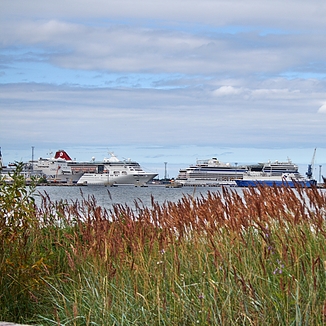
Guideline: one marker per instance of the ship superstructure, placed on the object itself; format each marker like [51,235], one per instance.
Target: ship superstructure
[275,168]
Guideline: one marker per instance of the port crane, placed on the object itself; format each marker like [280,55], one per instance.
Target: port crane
[309,173]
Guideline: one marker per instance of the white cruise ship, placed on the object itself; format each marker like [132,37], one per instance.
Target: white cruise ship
[210,172]
[111,171]
[213,172]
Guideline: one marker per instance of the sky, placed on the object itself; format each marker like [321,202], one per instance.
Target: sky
[164,81]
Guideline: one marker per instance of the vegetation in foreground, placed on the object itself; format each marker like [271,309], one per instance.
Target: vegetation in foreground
[221,259]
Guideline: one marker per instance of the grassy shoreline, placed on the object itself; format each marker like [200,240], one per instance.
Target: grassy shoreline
[220,259]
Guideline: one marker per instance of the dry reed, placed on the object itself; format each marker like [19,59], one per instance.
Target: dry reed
[228,258]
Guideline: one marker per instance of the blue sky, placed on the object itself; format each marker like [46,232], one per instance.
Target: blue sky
[164,81]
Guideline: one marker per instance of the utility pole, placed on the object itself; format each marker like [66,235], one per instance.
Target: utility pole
[32,158]
[0,159]
[165,172]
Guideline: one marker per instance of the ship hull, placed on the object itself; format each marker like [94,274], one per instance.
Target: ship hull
[110,180]
[277,183]
[64,178]
[95,179]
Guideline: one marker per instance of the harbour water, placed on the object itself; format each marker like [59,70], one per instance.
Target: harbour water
[108,196]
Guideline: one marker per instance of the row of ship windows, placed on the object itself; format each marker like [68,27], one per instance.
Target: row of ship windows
[93,170]
[116,172]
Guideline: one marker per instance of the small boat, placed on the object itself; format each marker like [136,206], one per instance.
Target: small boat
[173,184]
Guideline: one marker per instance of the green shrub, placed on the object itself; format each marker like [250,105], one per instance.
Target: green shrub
[22,266]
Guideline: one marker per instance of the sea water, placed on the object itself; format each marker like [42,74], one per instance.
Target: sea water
[106,197]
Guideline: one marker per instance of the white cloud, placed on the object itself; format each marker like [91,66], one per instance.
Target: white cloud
[183,116]
[289,14]
[275,93]
[227,90]
[129,48]
[322,109]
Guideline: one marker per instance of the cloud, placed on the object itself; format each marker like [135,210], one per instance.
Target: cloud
[140,49]
[322,109]
[275,93]
[227,90]
[216,13]
[164,73]
[146,116]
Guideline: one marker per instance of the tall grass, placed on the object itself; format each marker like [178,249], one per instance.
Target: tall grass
[220,259]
